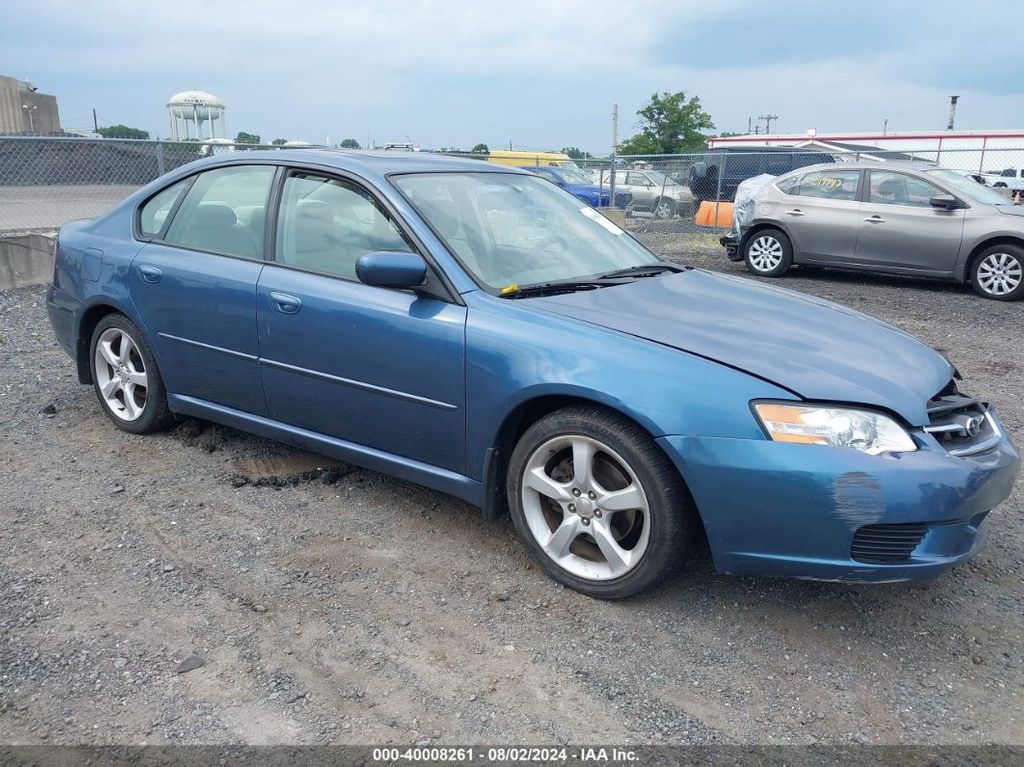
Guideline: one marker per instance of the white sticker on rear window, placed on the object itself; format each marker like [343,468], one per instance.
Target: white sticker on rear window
[593,215]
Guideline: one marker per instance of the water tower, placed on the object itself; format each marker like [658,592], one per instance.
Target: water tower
[195,114]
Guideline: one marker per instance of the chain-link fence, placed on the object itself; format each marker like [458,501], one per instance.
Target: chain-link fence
[47,181]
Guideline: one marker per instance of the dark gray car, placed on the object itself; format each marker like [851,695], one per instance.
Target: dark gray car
[890,217]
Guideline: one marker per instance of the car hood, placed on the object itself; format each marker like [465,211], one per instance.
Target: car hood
[812,347]
[1010,210]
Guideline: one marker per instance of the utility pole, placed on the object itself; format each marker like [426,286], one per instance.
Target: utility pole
[750,123]
[615,147]
[95,123]
[952,111]
[768,122]
[885,126]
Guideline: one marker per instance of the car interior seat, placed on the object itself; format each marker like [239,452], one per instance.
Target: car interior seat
[214,226]
[894,187]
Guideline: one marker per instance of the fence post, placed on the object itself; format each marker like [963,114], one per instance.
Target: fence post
[664,178]
[718,191]
[159,158]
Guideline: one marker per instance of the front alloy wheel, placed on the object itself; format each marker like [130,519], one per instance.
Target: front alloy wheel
[598,503]
[999,273]
[585,507]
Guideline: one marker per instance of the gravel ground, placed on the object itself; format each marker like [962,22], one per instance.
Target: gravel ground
[324,603]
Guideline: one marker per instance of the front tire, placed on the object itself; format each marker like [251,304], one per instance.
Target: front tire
[998,273]
[598,504]
[125,376]
[768,253]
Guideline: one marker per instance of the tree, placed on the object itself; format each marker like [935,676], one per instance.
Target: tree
[483,148]
[279,141]
[350,143]
[670,123]
[122,131]
[247,138]
[576,153]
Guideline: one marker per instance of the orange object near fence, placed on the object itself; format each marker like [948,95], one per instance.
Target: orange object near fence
[716,214]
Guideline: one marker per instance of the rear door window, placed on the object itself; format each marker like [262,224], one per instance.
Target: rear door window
[225,212]
[830,184]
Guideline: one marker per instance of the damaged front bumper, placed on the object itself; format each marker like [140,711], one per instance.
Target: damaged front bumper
[732,247]
[804,511]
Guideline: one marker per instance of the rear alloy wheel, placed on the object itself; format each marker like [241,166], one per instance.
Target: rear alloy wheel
[664,208]
[998,273]
[126,378]
[768,253]
[598,503]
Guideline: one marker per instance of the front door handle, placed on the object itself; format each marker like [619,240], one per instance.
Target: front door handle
[875,220]
[795,212]
[150,273]
[285,303]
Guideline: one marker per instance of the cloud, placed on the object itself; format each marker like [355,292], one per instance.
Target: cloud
[543,74]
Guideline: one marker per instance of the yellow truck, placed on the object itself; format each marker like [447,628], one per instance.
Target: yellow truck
[520,159]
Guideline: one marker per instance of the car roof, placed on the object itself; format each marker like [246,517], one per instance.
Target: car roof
[377,163]
[918,165]
[750,149]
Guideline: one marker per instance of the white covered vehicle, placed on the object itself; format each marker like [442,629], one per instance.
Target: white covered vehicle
[744,207]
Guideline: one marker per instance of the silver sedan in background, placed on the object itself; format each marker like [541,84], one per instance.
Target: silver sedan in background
[897,218]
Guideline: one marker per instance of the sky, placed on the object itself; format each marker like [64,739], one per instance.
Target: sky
[542,74]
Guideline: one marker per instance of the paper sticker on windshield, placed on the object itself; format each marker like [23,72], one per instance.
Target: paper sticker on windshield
[593,215]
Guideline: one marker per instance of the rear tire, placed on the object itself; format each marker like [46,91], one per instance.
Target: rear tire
[125,376]
[664,208]
[619,526]
[768,253]
[998,273]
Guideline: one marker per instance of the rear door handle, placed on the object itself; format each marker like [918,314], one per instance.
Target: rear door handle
[285,303]
[875,220]
[150,273]
[795,212]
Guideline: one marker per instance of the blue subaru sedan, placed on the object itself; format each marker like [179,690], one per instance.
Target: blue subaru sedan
[477,330]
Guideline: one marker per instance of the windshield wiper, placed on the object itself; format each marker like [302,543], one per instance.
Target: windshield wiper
[643,270]
[553,288]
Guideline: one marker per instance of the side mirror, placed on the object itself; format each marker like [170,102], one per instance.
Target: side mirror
[945,201]
[385,269]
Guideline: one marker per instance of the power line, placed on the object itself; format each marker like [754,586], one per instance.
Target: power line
[767,119]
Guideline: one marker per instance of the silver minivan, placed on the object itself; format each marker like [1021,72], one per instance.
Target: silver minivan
[898,218]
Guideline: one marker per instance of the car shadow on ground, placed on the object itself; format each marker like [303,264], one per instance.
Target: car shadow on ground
[286,466]
[898,281]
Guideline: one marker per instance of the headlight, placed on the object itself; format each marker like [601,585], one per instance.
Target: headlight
[863,430]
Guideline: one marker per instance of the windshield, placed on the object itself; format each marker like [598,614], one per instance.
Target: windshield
[517,230]
[660,179]
[574,177]
[968,187]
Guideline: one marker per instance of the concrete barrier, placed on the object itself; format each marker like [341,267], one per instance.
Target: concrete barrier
[25,260]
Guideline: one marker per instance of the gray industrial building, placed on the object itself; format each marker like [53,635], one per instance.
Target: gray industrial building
[25,110]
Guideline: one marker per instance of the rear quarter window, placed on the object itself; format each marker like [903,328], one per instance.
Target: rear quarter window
[155,210]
